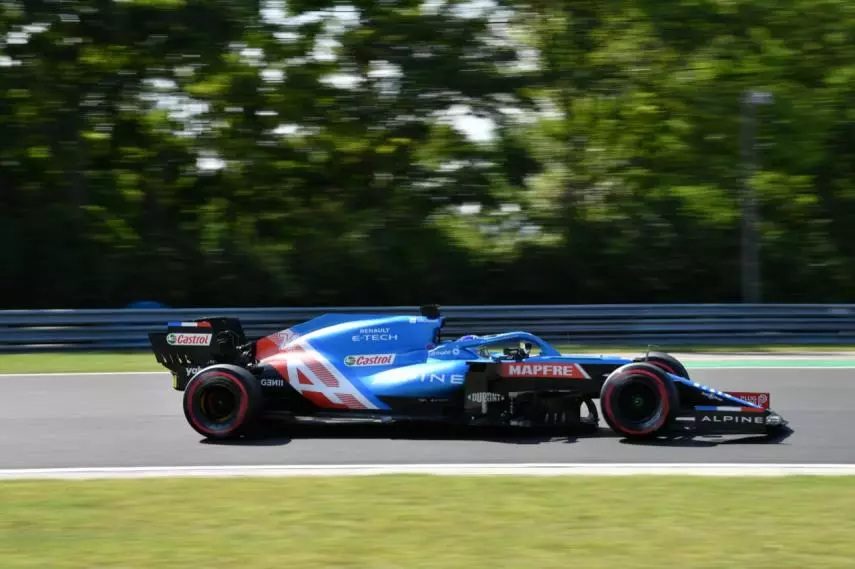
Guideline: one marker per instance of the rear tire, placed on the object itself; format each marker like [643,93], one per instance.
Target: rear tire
[638,400]
[222,402]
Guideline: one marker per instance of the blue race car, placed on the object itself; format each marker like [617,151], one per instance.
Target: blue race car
[392,367]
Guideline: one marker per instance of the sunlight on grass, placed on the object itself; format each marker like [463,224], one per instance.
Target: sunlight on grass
[430,522]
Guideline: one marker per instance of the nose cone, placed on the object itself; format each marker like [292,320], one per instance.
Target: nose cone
[777,427]
[775,420]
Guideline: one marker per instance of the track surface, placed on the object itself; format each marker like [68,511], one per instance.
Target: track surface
[136,420]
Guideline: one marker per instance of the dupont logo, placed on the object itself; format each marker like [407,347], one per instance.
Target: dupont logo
[483,396]
[557,371]
[178,339]
[369,360]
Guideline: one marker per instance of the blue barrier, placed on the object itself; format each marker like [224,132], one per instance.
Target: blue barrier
[627,324]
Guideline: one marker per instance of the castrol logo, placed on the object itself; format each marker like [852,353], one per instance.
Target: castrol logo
[179,339]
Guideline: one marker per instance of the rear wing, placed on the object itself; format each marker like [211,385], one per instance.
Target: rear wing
[186,347]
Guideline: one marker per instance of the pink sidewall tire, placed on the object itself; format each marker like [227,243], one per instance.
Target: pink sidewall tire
[222,402]
[639,401]
[666,362]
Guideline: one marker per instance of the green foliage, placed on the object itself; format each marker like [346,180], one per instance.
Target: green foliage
[340,182]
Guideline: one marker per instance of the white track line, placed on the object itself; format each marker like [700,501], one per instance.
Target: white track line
[679,469]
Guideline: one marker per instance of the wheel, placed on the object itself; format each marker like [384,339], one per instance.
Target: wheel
[222,402]
[638,400]
[665,361]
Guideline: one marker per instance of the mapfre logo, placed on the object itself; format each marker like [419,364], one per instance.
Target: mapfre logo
[549,371]
[178,339]
[369,360]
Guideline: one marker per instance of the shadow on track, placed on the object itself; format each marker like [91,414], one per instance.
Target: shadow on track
[273,435]
[278,434]
[714,440]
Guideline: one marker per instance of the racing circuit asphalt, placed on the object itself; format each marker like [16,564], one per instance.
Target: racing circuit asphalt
[66,421]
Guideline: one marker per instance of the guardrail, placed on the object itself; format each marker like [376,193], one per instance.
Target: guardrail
[629,324]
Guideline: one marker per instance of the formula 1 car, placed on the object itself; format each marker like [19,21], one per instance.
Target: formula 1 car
[389,367]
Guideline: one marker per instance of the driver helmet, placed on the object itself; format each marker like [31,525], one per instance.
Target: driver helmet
[468,337]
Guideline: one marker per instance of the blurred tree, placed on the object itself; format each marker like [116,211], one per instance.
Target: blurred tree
[220,152]
[94,178]
[639,145]
[328,166]
[350,188]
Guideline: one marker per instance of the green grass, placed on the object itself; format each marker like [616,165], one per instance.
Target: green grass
[74,362]
[430,522]
[71,362]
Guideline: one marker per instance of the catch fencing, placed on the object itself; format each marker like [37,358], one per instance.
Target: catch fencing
[670,325]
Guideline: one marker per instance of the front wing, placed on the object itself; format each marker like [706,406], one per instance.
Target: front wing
[728,419]
[489,395]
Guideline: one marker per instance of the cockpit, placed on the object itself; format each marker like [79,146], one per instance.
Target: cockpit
[501,349]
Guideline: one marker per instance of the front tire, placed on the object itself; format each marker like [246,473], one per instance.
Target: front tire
[222,402]
[665,362]
[638,400]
